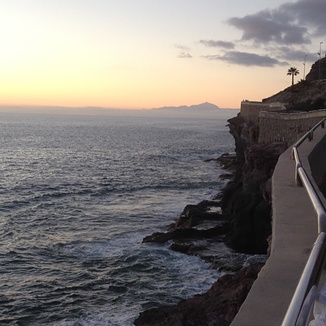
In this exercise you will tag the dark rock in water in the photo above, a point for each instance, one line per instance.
(186, 233)
(195, 222)
(181, 247)
(193, 215)
(196, 232)
(217, 307)
(228, 161)
(226, 176)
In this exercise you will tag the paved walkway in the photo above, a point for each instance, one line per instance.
(294, 232)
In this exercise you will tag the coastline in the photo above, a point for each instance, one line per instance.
(217, 307)
(230, 232)
(202, 229)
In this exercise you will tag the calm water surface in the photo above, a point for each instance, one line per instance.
(77, 196)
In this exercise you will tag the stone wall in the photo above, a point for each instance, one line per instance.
(250, 110)
(286, 127)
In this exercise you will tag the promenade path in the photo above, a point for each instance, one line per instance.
(294, 233)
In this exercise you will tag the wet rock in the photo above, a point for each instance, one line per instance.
(181, 247)
(187, 233)
(193, 215)
(228, 161)
(217, 307)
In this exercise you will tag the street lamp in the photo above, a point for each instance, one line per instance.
(319, 77)
(320, 49)
(304, 67)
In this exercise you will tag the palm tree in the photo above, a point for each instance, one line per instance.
(293, 71)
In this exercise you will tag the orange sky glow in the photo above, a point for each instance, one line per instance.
(145, 54)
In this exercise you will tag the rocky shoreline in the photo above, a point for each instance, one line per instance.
(217, 307)
(231, 232)
(203, 229)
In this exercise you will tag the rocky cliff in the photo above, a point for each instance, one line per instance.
(247, 199)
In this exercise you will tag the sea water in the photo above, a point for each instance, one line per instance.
(77, 196)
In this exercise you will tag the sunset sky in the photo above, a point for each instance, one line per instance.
(153, 53)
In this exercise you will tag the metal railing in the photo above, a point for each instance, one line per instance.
(303, 299)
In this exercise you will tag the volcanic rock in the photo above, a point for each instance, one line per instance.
(227, 293)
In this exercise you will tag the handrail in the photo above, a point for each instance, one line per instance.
(301, 178)
(301, 304)
(316, 202)
(304, 296)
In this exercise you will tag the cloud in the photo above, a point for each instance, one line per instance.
(185, 55)
(185, 51)
(275, 37)
(291, 23)
(267, 26)
(182, 47)
(247, 59)
(217, 44)
(291, 54)
(308, 12)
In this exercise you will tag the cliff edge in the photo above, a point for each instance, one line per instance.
(247, 199)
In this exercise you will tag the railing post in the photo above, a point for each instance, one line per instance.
(322, 222)
(311, 135)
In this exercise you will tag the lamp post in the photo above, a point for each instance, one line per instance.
(304, 67)
(319, 77)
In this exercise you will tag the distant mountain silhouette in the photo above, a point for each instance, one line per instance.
(203, 107)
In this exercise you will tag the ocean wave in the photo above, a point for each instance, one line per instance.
(77, 198)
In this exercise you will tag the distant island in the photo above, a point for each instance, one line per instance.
(200, 110)
(193, 108)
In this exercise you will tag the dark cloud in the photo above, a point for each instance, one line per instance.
(309, 13)
(247, 59)
(291, 23)
(217, 44)
(185, 55)
(271, 26)
(279, 36)
(291, 54)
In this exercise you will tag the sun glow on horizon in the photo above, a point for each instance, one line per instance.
(133, 55)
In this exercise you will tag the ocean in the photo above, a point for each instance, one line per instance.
(77, 196)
